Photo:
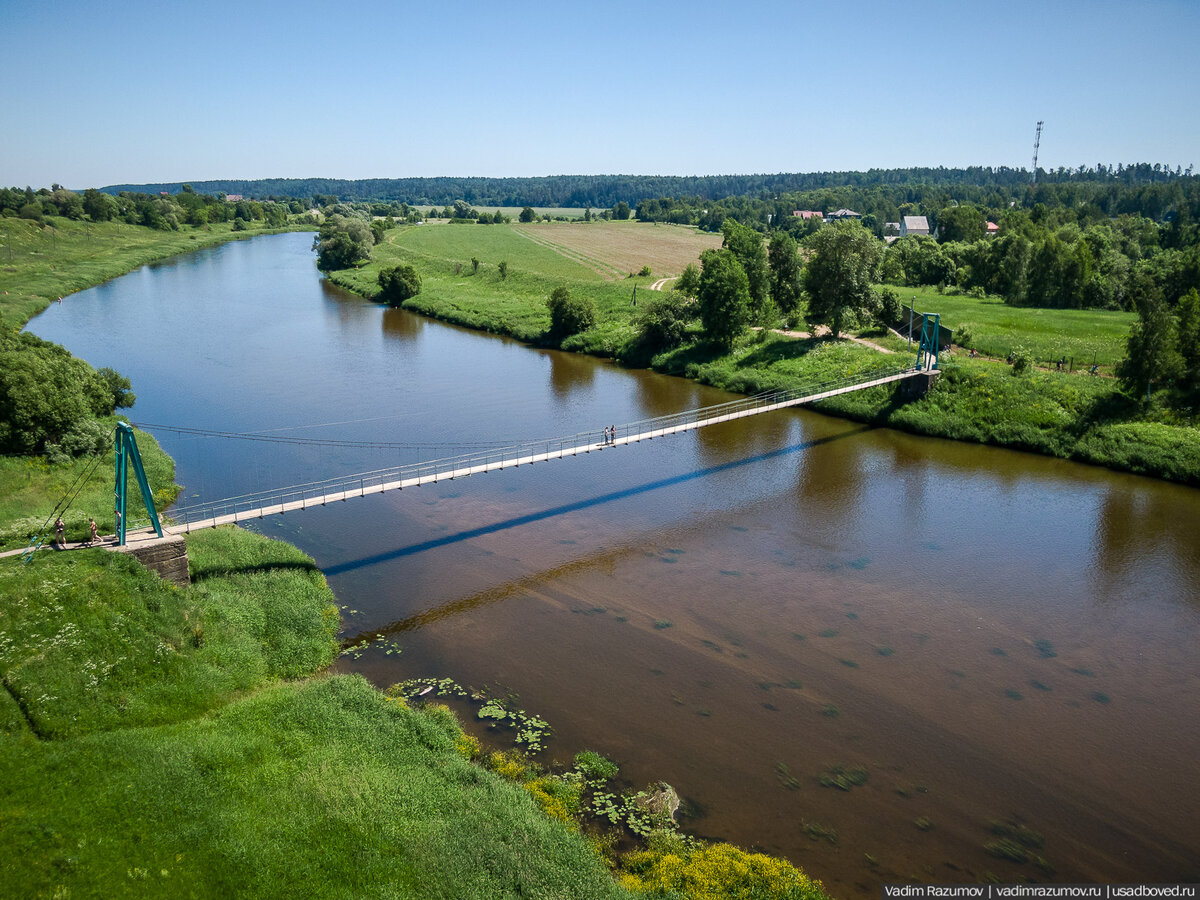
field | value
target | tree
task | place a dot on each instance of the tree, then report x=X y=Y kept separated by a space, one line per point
x=689 y=282
x=724 y=297
x=662 y=321
x=398 y=283
x=527 y=214
x=784 y=263
x=344 y=242
x=839 y=275
x=960 y=223
x=621 y=210
x=890 y=308
x=747 y=245
x=1189 y=338
x=569 y=315
x=1152 y=350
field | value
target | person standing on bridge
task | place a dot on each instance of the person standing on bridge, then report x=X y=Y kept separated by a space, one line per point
x=59 y=530
x=92 y=529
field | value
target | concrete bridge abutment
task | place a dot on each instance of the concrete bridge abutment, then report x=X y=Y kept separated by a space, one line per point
x=166 y=555
x=917 y=386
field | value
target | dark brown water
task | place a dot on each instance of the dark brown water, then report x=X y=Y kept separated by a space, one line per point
x=992 y=636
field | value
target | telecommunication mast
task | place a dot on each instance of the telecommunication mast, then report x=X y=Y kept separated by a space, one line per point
x=1037 y=139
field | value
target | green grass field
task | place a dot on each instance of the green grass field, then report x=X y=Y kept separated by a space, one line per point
x=513 y=305
x=996 y=328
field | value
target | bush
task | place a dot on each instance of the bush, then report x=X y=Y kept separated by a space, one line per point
x=644 y=271
x=1022 y=361
x=398 y=283
x=47 y=395
x=662 y=322
x=569 y=315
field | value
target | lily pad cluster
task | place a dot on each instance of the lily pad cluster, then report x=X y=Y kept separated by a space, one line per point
x=642 y=812
x=381 y=641
x=531 y=730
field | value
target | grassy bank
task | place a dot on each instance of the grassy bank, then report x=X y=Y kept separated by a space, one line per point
x=1074 y=416
x=39 y=264
x=155 y=741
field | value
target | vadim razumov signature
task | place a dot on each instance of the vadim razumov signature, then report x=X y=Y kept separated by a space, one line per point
x=1003 y=891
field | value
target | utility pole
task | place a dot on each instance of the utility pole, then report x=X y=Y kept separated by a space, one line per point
x=1037 y=140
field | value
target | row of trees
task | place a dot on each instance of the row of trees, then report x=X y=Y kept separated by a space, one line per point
x=152 y=210
x=1108 y=265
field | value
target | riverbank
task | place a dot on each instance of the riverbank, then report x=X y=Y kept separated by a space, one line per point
x=1071 y=416
x=240 y=767
x=159 y=741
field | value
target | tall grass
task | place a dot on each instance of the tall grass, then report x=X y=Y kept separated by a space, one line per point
x=90 y=640
x=323 y=788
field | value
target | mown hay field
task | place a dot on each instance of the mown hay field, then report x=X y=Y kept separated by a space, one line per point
x=615 y=249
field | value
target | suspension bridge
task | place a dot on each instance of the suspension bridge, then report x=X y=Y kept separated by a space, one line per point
x=231 y=510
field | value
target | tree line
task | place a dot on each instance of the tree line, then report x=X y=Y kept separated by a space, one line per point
x=168 y=213
x=605 y=191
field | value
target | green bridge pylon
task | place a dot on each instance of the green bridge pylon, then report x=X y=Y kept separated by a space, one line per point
x=927 y=352
x=127 y=453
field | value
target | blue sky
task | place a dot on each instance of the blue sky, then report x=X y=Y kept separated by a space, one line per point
x=105 y=92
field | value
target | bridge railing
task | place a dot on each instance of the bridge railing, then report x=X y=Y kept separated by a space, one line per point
x=317 y=492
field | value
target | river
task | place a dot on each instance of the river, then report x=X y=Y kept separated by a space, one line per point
x=1003 y=643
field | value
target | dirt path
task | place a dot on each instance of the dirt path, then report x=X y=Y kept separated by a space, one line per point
x=658 y=285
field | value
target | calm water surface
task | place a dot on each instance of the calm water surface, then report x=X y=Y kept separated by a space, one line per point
x=992 y=636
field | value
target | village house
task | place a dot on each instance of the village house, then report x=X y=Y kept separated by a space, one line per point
x=914 y=225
